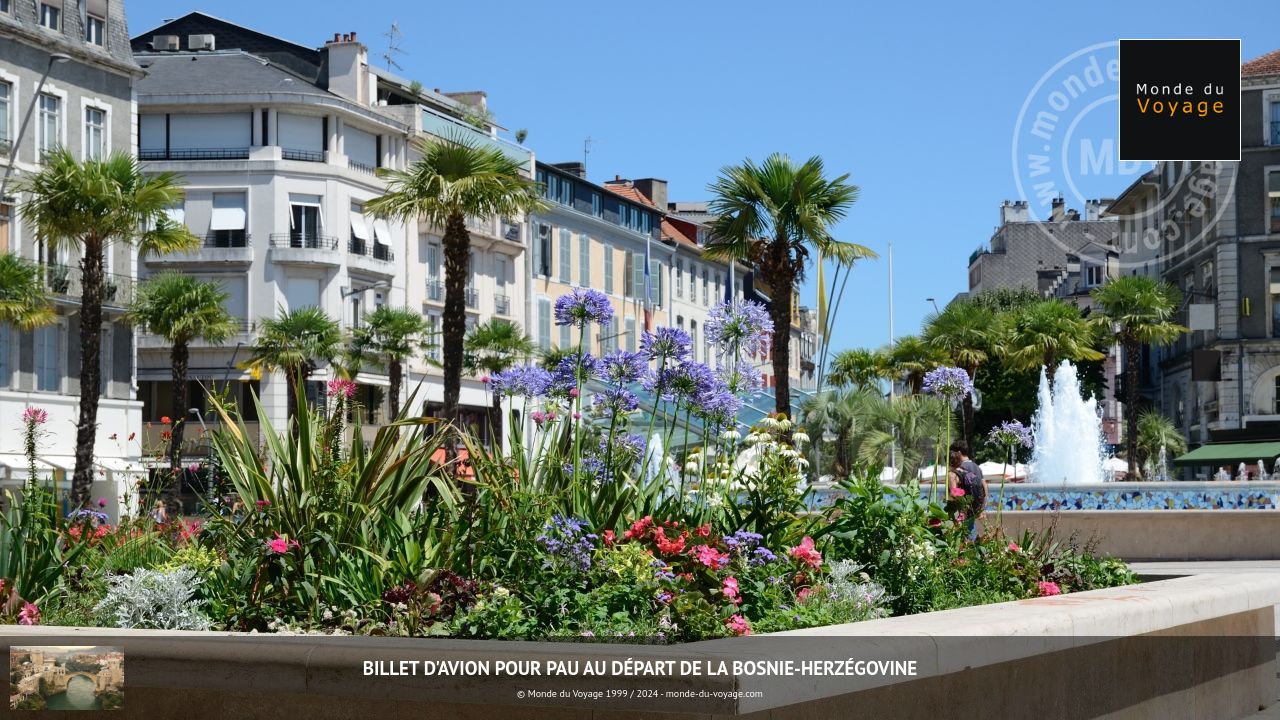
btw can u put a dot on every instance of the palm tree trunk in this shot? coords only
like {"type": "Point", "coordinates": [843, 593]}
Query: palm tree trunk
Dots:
{"type": "Point", "coordinates": [90, 369]}
{"type": "Point", "coordinates": [394, 372]}
{"type": "Point", "coordinates": [291, 394]}
{"type": "Point", "coordinates": [1050, 367]}
{"type": "Point", "coordinates": [495, 424]}
{"type": "Point", "coordinates": [780, 310]}
{"type": "Point", "coordinates": [179, 357]}
{"type": "Point", "coordinates": [457, 249]}
{"type": "Point", "coordinates": [1131, 407]}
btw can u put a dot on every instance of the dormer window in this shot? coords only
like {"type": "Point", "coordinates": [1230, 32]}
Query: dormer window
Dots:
{"type": "Point", "coordinates": [95, 22]}
{"type": "Point", "coordinates": [1094, 275]}
{"type": "Point", "coordinates": [51, 14]}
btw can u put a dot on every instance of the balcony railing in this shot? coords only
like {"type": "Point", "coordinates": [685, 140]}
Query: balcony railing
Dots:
{"type": "Point", "coordinates": [360, 167]}
{"type": "Point", "coordinates": [473, 298]}
{"type": "Point", "coordinates": [226, 239]}
{"type": "Point", "coordinates": [65, 282]}
{"type": "Point", "coordinates": [1275, 132]}
{"type": "Point", "coordinates": [435, 291]}
{"type": "Point", "coordinates": [501, 305]}
{"type": "Point", "coordinates": [375, 250]}
{"type": "Point", "coordinates": [241, 153]}
{"type": "Point", "coordinates": [304, 155]}
{"type": "Point", "coordinates": [309, 241]}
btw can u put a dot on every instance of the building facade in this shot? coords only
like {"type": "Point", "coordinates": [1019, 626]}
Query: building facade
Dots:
{"type": "Point", "coordinates": [66, 81]}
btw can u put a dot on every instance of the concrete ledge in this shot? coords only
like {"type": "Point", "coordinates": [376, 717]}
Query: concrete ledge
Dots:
{"type": "Point", "coordinates": [1204, 642]}
{"type": "Point", "coordinates": [1158, 534]}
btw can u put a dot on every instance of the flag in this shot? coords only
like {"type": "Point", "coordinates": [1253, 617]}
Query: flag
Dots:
{"type": "Point", "coordinates": [822, 301]}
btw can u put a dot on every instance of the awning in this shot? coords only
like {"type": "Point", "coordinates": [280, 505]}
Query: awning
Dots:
{"type": "Point", "coordinates": [228, 212]}
{"type": "Point", "coordinates": [358, 228]}
{"type": "Point", "coordinates": [119, 465]}
{"type": "Point", "coordinates": [62, 462]}
{"type": "Point", "coordinates": [19, 462]}
{"type": "Point", "coordinates": [177, 214]}
{"type": "Point", "coordinates": [382, 231]}
{"type": "Point", "coordinates": [1230, 453]}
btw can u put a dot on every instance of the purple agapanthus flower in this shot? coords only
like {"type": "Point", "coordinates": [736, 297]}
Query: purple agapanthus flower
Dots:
{"type": "Point", "coordinates": [615, 400]}
{"type": "Point", "coordinates": [685, 381]}
{"type": "Point", "coordinates": [951, 383]}
{"type": "Point", "coordinates": [742, 326]}
{"type": "Point", "coordinates": [744, 379]}
{"type": "Point", "coordinates": [629, 446]}
{"type": "Point", "coordinates": [667, 345]}
{"type": "Point", "coordinates": [583, 306]}
{"type": "Point", "coordinates": [1010, 433]}
{"type": "Point", "coordinates": [622, 367]}
{"type": "Point", "coordinates": [717, 407]}
{"type": "Point", "coordinates": [529, 381]}
{"type": "Point", "coordinates": [573, 372]}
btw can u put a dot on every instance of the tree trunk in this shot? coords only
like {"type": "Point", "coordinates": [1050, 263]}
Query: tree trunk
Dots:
{"type": "Point", "coordinates": [291, 395]}
{"type": "Point", "coordinates": [394, 371]}
{"type": "Point", "coordinates": [495, 424]}
{"type": "Point", "coordinates": [90, 369]}
{"type": "Point", "coordinates": [179, 358]}
{"type": "Point", "coordinates": [457, 250]}
{"type": "Point", "coordinates": [1131, 407]}
{"type": "Point", "coordinates": [780, 283]}
{"type": "Point", "coordinates": [1050, 367]}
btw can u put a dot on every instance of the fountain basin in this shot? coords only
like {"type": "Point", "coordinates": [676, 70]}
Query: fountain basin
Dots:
{"type": "Point", "coordinates": [1110, 496]}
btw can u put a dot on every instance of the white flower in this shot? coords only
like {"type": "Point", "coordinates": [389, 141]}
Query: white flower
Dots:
{"type": "Point", "coordinates": [730, 435]}
{"type": "Point", "coordinates": [800, 438]}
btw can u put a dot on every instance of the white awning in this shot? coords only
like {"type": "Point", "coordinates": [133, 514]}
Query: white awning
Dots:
{"type": "Point", "coordinates": [19, 462]}
{"type": "Point", "coordinates": [228, 212]}
{"type": "Point", "coordinates": [358, 227]}
{"type": "Point", "coordinates": [371, 379]}
{"type": "Point", "coordinates": [119, 465]}
{"type": "Point", "coordinates": [382, 231]}
{"type": "Point", "coordinates": [177, 214]}
{"type": "Point", "coordinates": [62, 462]}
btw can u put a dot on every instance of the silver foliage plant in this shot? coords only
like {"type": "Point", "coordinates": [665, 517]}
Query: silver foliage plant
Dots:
{"type": "Point", "coordinates": [848, 584]}
{"type": "Point", "coordinates": [151, 599]}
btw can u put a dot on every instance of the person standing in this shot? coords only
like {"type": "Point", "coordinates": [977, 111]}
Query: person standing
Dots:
{"type": "Point", "coordinates": [966, 477]}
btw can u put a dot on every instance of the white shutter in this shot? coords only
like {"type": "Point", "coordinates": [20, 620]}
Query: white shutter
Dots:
{"type": "Point", "coordinates": [358, 227]}
{"type": "Point", "coordinates": [382, 231]}
{"type": "Point", "coordinates": [302, 292]}
{"type": "Point", "coordinates": [361, 146]}
{"type": "Point", "coordinates": [300, 132]}
{"type": "Point", "coordinates": [177, 214]}
{"type": "Point", "coordinates": [228, 212]}
{"type": "Point", "coordinates": [544, 323]}
{"type": "Point", "coordinates": [152, 130]}
{"type": "Point", "coordinates": [211, 130]}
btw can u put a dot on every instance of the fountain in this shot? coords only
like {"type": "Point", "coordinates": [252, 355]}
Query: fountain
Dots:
{"type": "Point", "coordinates": [1240, 473]}
{"type": "Point", "coordinates": [1068, 433]}
{"type": "Point", "coordinates": [1262, 471]}
{"type": "Point", "coordinates": [1162, 470]}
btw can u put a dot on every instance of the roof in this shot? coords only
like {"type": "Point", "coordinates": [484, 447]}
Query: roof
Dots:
{"type": "Point", "coordinates": [220, 72]}
{"type": "Point", "coordinates": [1229, 453]}
{"type": "Point", "coordinates": [670, 230]}
{"type": "Point", "coordinates": [629, 192]}
{"type": "Point", "coordinates": [1268, 64]}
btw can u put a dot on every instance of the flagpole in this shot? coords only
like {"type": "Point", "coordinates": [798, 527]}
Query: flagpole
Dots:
{"type": "Point", "coordinates": [893, 445]}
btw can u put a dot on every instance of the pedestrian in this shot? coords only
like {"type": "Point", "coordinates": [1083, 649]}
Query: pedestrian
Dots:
{"type": "Point", "coordinates": [159, 515]}
{"type": "Point", "coordinates": [966, 477]}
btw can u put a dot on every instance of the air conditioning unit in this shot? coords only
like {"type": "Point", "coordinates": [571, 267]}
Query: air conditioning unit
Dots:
{"type": "Point", "coordinates": [200, 42]}
{"type": "Point", "coordinates": [165, 42]}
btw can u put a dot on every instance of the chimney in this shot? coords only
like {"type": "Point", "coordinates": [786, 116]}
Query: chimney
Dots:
{"type": "Point", "coordinates": [577, 168]}
{"type": "Point", "coordinates": [1012, 212]}
{"type": "Point", "coordinates": [654, 189]}
{"type": "Point", "coordinates": [348, 66]}
{"type": "Point", "coordinates": [1059, 210]}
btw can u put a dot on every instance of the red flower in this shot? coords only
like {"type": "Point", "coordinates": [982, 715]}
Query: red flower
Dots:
{"type": "Point", "coordinates": [608, 538]}
{"type": "Point", "coordinates": [279, 545]}
{"type": "Point", "coordinates": [738, 625]}
{"type": "Point", "coordinates": [1047, 588]}
{"type": "Point", "coordinates": [673, 546]}
{"type": "Point", "coordinates": [731, 591]}
{"type": "Point", "coordinates": [1013, 547]}
{"type": "Point", "coordinates": [639, 528]}
{"type": "Point", "coordinates": [710, 557]}
{"type": "Point", "coordinates": [934, 522]}
{"type": "Point", "coordinates": [165, 420]}
{"type": "Point", "coordinates": [957, 492]}
{"type": "Point", "coordinates": [805, 553]}
{"type": "Point", "coordinates": [132, 435]}
{"type": "Point", "coordinates": [704, 531]}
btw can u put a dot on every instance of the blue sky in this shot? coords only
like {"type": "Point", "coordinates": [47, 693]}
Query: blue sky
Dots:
{"type": "Point", "coordinates": [916, 101]}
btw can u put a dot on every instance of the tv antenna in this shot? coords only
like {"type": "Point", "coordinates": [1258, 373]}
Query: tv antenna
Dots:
{"type": "Point", "coordinates": [586, 148]}
{"type": "Point", "coordinates": [393, 37]}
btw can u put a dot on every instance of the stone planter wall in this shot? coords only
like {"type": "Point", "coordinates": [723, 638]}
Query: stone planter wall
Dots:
{"type": "Point", "coordinates": [1158, 534]}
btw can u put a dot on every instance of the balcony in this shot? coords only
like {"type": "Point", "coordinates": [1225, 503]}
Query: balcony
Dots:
{"type": "Point", "coordinates": [220, 246]}
{"type": "Point", "coordinates": [240, 153]}
{"type": "Point", "coordinates": [63, 282]}
{"type": "Point", "coordinates": [303, 155]}
{"type": "Point", "coordinates": [243, 332]}
{"type": "Point", "coordinates": [502, 305]}
{"type": "Point", "coordinates": [370, 257]}
{"type": "Point", "coordinates": [298, 248]}
{"type": "Point", "coordinates": [361, 167]}
{"type": "Point", "coordinates": [435, 291]}
{"type": "Point", "coordinates": [473, 298]}
{"type": "Point", "coordinates": [1275, 132]}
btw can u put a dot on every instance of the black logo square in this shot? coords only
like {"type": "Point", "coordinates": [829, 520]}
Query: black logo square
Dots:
{"type": "Point", "coordinates": [1179, 100]}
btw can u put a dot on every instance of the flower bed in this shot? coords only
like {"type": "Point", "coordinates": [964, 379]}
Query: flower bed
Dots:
{"type": "Point", "coordinates": [592, 527]}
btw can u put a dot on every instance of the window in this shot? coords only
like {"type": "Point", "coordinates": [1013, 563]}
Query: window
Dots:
{"type": "Point", "coordinates": [6, 372]}
{"type": "Point", "coordinates": [679, 278]}
{"type": "Point", "coordinates": [634, 286]}
{"type": "Point", "coordinates": [584, 261]}
{"type": "Point", "coordinates": [566, 245]}
{"type": "Point", "coordinates": [719, 289]}
{"type": "Point", "coordinates": [4, 6]}
{"type": "Point", "coordinates": [705, 294]}
{"type": "Point", "coordinates": [6, 98]}
{"type": "Point", "coordinates": [1206, 276]}
{"type": "Point", "coordinates": [693, 337]}
{"type": "Point", "coordinates": [305, 221]}
{"type": "Point", "coordinates": [1275, 302]}
{"type": "Point", "coordinates": [95, 133]}
{"type": "Point", "coordinates": [51, 15]}
{"type": "Point", "coordinates": [356, 315]}
{"type": "Point", "coordinates": [558, 189]}
{"type": "Point", "coordinates": [104, 363]}
{"type": "Point", "coordinates": [6, 213]}
{"type": "Point", "coordinates": [1093, 275]}
{"type": "Point", "coordinates": [433, 336]}
{"type": "Point", "coordinates": [1273, 198]}
{"type": "Point", "coordinates": [228, 222]}
{"type": "Point", "coordinates": [1275, 122]}
{"type": "Point", "coordinates": [542, 252]}
{"type": "Point", "coordinates": [631, 334]}
{"type": "Point", "coordinates": [50, 125]}
{"type": "Point", "coordinates": [544, 324]}
{"type": "Point", "coordinates": [500, 273]}
{"type": "Point", "coordinates": [95, 25]}
{"type": "Point", "coordinates": [1276, 409]}
{"type": "Point", "coordinates": [597, 208]}
{"type": "Point", "coordinates": [608, 269]}
{"type": "Point", "coordinates": [48, 369]}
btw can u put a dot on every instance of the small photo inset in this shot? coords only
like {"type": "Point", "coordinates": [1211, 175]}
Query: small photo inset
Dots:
{"type": "Point", "coordinates": [66, 677]}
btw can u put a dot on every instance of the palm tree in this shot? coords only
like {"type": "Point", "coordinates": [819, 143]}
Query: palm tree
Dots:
{"type": "Point", "coordinates": [770, 215]}
{"type": "Point", "coordinates": [491, 348]}
{"type": "Point", "coordinates": [22, 297]}
{"type": "Point", "coordinates": [181, 308]}
{"type": "Point", "coordinates": [911, 357]}
{"type": "Point", "coordinates": [452, 180]}
{"type": "Point", "coordinates": [1045, 334]}
{"type": "Point", "coordinates": [1156, 431]}
{"type": "Point", "coordinates": [908, 427]}
{"type": "Point", "coordinates": [394, 334]}
{"type": "Point", "coordinates": [839, 419]}
{"type": "Point", "coordinates": [295, 342]}
{"type": "Point", "coordinates": [89, 207]}
{"type": "Point", "coordinates": [964, 332]}
{"type": "Point", "coordinates": [858, 368]}
{"type": "Point", "coordinates": [1138, 311]}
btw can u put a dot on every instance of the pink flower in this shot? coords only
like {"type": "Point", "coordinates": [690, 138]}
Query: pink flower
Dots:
{"type": "Point", "coordinates": [193, 468]}
{"type": "Point", "coordinates": [341, 387]}
{"type": "Point", "coordinates": [960, 517]}
{"type": "Point", "coordinates": [957, 492]}
{"type": "Point", "coordinates": [538, 416]}
{"type": "Point", "coordinates": [805, 553]}
{"type": "Point", "coordinates": [29, 615]}
{"type": "Point", "coordinates": [573, 392]}
{"type": "Point", "coordinates": [1013, 547]}
{"type": "Point", "coordinates": [485, 379]}
{"type": "Point", "coordinates": [731, 590]}
{"type": "Point", "coordinates": [738, 625]}
{"type": "Point", "coordinates": [35, 416]}
{"type": "Point", "coordinates": [710, 557]}
{"type": "Point", "coordinates": [577, 416]}
{"type": "Point", "coordinates": [1048, 588]}
{"type": "Point", "coordinates": [262, 503]}
{"type": "Point", "coordinates": [102, 502]}
{"type": "Point", "coordinates": [279, 546]}
{"type": "Point", "coordinates": [804, 594]}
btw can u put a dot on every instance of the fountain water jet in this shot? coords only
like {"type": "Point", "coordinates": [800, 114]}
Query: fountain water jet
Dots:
{"type": "Point", "coordinates": [1068, 433]}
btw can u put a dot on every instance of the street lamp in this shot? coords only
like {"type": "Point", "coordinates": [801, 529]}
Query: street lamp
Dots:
{"type": "Point", "coordinates": [380, 285]}
{"type": "Point", "coordinates": [935, 305]}
{"type": "Point", "coordinates": [54, 58]}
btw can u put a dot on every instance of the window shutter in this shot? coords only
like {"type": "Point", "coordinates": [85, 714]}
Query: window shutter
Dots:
{"type": "Point", "coordinates": [631, 334]}
{"type": "Point", "coordinates": [608, 269]}
{"type": "Point", "coordinates": [655, 288]}
{"type": "Point", "coordinates": [627, 276]}
{"type": "Point", "coordinates": [566, 338]}
{"type": "Point", "coordinates": [584, 260]}
{"type": "Point", "coordinates": [544, 323]}
{"type": "Point", "coordinates": [566, 245]}
{"type": "Point", "coordinates": [586, 338]}
{"type": "Point", "coordinates": [637, 281]}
